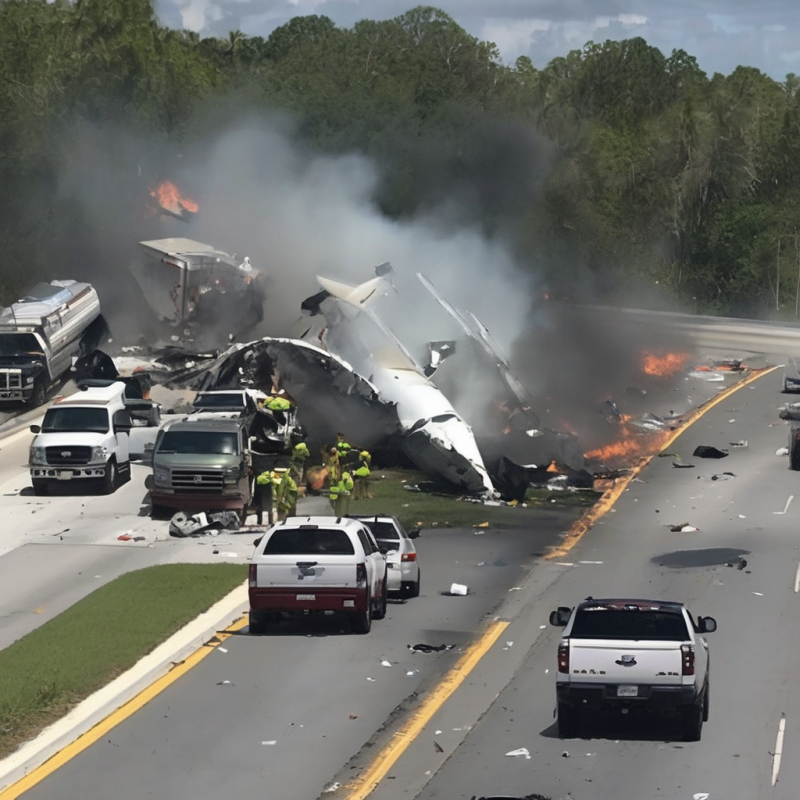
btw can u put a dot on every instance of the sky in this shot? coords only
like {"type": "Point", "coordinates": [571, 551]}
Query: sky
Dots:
{"type": "Point", "coordinates": [721, 34]}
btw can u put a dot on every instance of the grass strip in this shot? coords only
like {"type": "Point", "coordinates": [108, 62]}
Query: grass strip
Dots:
{"type": "Point", "coordinates": [442, 510]}
{"type": "Point", "coordinates": [50, 670]}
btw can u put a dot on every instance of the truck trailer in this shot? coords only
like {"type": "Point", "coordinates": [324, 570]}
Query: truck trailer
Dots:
{"type": "Point", "coordinates": [191, 284]}
{"type": "Point", "coordinates": [41, 333]}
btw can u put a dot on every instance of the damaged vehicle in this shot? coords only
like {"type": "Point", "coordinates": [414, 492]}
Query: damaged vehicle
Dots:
{"type": "Point", "coordinates": [194, 286]}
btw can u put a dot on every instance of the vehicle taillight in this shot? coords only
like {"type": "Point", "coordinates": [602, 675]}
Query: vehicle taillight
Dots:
{"type": "Point", "coordinates": [361, 576]}
{"type": "Point", "coordinates": [408, 557]}
{"type": "Point", "coordinates": [563, 657]}
{"type": "Point", "coordinates": [687, 659]}
{"type": "Point", "coordinates": [252, 575]}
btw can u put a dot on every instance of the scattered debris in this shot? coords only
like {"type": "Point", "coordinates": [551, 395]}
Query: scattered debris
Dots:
{"type": "Point", "coordinates": [701, 796]}
{"type": "Point", "coordinates": [124, 537]}
{"type": "Point", "coordinates": [681, 465]}
{"type": "Point", "coordinates": [224, 683]}
{"type": "Point", "coordinates": [565, 754]}
{"type": "Point", "coordinates": [706, 451]}
{"type": "Point", "coordinates": [519, 752]}
{"type": "Point", "coordinates": [723, 476]}
{"type": "Point", "coordinates": [429, 648]}
{"type": "Point", "coordinates": [183, 524]}
{"type": "Point", "coordinates": [759, 594]}
{"type": "Point", "coordinates": [782, 451]}
{"type": "Point", "coordinates": [741, 443]}
{"type": "Point", "coordinates": [386, 663]}
{"type": "Point", "coordinates": [437, 747]}
{"type": "Point", "coordinates": [682, 527]}
{"type": "Point", "coordinates": [458, 589]}
{"type": "Point", "coordinates": [352, 716]}
{"type": "Point", "coordinates": [270, 742]}
{"type": "Point", "coordinates": [332, 787]}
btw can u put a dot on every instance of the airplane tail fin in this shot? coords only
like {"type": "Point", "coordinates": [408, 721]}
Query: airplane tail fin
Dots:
{"type": "Point", "coordinates": [362, 295]}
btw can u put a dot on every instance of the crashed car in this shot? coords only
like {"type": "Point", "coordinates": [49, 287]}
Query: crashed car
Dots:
{"type": "Point", "coordinates": [791, 377]}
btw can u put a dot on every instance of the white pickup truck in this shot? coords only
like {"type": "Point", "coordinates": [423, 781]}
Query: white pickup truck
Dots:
{"type": "Point", "coordinates": [632, 653]}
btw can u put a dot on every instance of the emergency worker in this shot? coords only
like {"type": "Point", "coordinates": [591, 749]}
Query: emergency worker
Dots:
{"type": "Point", "coordinates": [286, 498]}
{"type": "Point", "coordinates": [297, 464]}
{"type": "Point", "coordinates": [277, 402]}
{"type": "Point", "coordinates": [264, 496]}
{"type": "Point", "coordinates": [362, 489]}
{"type": "Point", "coordinates": [333, 466]}
{"type": "Point", "coordinates": [340, 495]}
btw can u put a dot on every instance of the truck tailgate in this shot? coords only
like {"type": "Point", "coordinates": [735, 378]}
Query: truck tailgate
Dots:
{"type": "Point", "coordinates": [297, 571]}
{"type": "Point", "coordinates": [622, 661]}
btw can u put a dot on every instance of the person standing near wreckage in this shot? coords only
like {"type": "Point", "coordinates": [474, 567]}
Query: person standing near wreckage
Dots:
{"type": "Point", "coordinates": [361, 487]}
{"type": "Point", "coordinates": [297, 464]}
{"type": "Point", "coordinates": [263, 498]}
{"type": "Point", "coordinates": [286, 499]}
{"type": "Point", "coordinates": [333, 466]}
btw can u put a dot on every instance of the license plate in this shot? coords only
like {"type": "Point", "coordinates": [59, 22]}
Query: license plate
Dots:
{"type": "Point", "coordinates": [65, 475]}
{"type": "Point", "coordinates": [306, 597]}
{"type": "Point", "coordinates": [627, 691]}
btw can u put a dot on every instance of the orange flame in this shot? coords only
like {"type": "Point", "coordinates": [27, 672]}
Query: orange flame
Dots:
{"type": "Point", "coordinates": [663, 366]}
{"type": "Point", "coordinates": [168, 197]}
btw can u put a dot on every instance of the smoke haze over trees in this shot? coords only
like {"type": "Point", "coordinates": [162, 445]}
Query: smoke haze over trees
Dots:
{"type": "Point", "coordinates": [615, 173]}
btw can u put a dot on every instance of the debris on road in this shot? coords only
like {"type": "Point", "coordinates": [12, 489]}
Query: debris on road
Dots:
{"type": "Point", "coordinates": [782, 451]}
{"type": "Point", "coordinates": [741, 443]}
{"type": "Point", "coordinates": [437, 747]}
{"type": "Point", "coordinates": [706, 451]}
{"type": "Point", "coordinates": [519, 752]}
{"type": "Point", "coordinates": [723, 476]}
{"type": "Point", "coordinates": [682, 527]}
{"type": "Point", "coordinates": [183, 524]}
{"type": "Point", "coordinates": [386, 663]}
{"type": "Point", "coordinates": [429, 648]}
{"type": "Point", "coordinates": [681, 465]}
{"type": "Point", "coordinates": [458, 589]}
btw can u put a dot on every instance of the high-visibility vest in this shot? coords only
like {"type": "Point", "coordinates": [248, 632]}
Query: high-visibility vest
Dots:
{"type": "Point", "coordinates": [287, 492]}
{"type": "Point", "coordinates": [265, 478]}
{"type": "Point", "coordinates": [278, 404]}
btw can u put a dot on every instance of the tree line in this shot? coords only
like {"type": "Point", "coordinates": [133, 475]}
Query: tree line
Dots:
{"type": "Point", "coordinates": [612, 169]}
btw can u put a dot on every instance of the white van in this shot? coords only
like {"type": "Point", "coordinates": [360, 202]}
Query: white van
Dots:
{"type": "Point", "coordinates": [83, 437]}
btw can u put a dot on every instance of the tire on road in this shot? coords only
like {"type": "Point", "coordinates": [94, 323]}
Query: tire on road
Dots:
{"type": "Point", "coordinates": [380, 610]}
{"type": "Point", "coordinates": [361, 621]}
{"type": "Point", "coordinates": [567, 719]}
{"type": "Point", "coordinates": [258, 622]}
{"type": "Point", "coordinates": [692, 719]}
{"type": "Point", "coordinates": [706, 701]}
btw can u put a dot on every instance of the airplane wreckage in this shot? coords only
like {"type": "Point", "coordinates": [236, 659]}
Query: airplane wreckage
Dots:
{"type": "Point", "coordinates": [350, 372]}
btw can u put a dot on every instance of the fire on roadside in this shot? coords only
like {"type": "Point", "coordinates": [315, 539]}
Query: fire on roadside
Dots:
{"type": "Point", "coordinates": [665, 365]}
{"type": "Point", "coordinates": [169, 199]}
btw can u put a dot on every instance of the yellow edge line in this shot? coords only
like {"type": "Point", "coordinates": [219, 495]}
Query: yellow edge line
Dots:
{"type": "Point", "coordinates": [604, 504]}
{"type": "Point", "coordinates": [119, 715]}
{"type": "Point", "coordinates": [365, 784]}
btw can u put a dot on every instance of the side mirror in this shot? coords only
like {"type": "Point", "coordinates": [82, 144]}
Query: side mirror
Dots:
{"type": "Point", "coordinates": [414, 533]}
{"type": "Point", "coordinates": [706, 624]}
{"type": "Point", "coordinates": [257, 542]}
{"type": "Point", "coordinates": [36, 428]}
{"type": "Point", "coordinates": [122, 421]}
{"type": "Point", "coordinates": [560, 617]}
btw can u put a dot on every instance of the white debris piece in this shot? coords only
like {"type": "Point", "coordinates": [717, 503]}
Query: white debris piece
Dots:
{"type": "Point", "coordinates": [782, 451]}
{"type": "Point", "coordinates": [270, 742]}
{"type": "Point", "coordinates": [386, 663]}
{"type": "Point", "coordinates": [458, 588]}
{"type": "Point", "coordinates": [520, 752]}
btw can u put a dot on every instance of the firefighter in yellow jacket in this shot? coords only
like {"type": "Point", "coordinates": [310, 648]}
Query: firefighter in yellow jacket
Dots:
{"type": "Point", "coordinates": [362, 489]}
{"type": "Point", "coordinates": [339, 495]}
{"type": "Point", "coordinates": [286, 496]}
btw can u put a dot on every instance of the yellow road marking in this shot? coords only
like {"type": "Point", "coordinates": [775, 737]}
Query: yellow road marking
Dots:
{"type": "Point", "coordinates": [365, 784]}
{"type": "Point", "coordinates": [118, 716]}
{"type": "Point", "coordinates": [604, 504]}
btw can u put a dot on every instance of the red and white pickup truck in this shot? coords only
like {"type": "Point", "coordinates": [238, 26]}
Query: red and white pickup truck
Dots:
{"type": "Point", "coordinates": [626, 653]}
{"type": "Point", "coordinates": [306, 564]}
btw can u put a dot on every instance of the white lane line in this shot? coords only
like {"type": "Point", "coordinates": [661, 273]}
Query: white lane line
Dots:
{"type": "Point", "coordinates": [797, 580]}
{"type": "Point", "coordinates": [776, 757]}
{"type": "Point", "coordinates": [786, 507]}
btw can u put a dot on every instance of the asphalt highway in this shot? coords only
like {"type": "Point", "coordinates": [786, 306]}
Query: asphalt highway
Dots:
{"type": "Point", "coordinates": [632, 552]}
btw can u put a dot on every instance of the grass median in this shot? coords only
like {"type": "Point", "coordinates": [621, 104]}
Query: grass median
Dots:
{"type": "Point", "coordinates": [50, 670]}
{"type": "Point", "coordinates": [425, 509]}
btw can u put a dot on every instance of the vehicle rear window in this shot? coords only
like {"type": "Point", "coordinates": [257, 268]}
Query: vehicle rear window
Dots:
{"type": "Point", "coordinates": [232, 400]}
{"type": "Point", "coordinates": [382, 530]}
{"type": "Point", "coordinates": [309, 542]}
{"type": "Point", "coordinates": [615, 623]}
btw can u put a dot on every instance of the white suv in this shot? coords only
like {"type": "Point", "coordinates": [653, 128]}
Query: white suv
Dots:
{"type": "Point", "coordinates": [317, 564]}
{"type": "Point", "coordinates": [398, 547]}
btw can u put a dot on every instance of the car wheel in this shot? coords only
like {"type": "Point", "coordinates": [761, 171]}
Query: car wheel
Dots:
{"type": "Point", "coordinates": [567, 718]}
{"type": "Point", "coordinates": [40, 487]}
{"type": "Point", "coordinates": [794, 456]}
{"type": "Point", "coordinates": [414, 588]}
{"type": "Point", "coordinates": [158, 511]}
{"type": "Point", "coordinates": [692, 717]}
{"type": "Point", "coordinates": [706, 701]}
{"type": "Point", "coordinates": [39, 394]}
{"type": "Point", "coordinates": [258, 622]}
{"type": "Point", "coordinates": [110, 478]}
{"type": "Point", "coordinates": [361, 621]}
{"type": "Point", "coordinates": [380, 611]}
